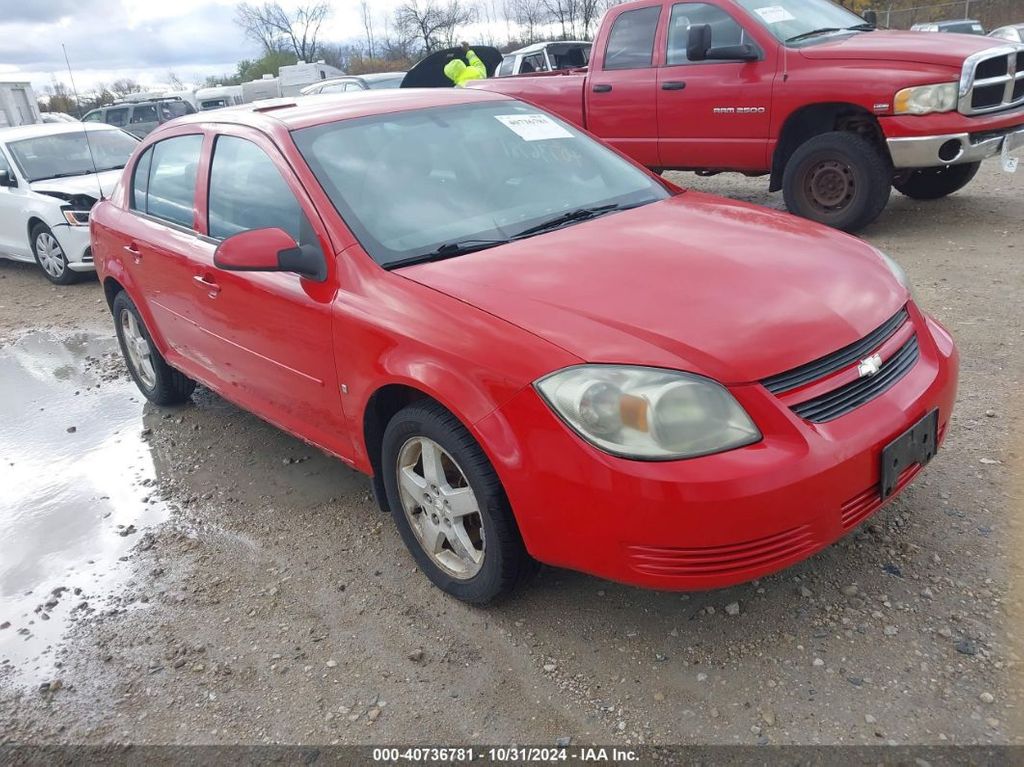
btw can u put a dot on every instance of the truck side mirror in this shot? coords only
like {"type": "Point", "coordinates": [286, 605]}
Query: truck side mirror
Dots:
{"type": "Point", "coordinates": [733, 53]}
{"type": "Point", "coordinates": [871, 17]}
{"type": "Point", "coordinates": [698, 43]}
{"type": "Point", "coordinates": [6, 179]}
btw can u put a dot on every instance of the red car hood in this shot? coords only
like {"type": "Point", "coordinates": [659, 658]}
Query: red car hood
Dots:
{"type": "Point", "coordinates": [920, 47]}
{"type": "Point", "coordinates": [729, 290]}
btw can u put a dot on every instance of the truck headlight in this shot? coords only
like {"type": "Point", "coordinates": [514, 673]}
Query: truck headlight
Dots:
{"type": "Point", "coordinates": [648, 413]}
{"type": "Point", "coordinates": [924, 99]}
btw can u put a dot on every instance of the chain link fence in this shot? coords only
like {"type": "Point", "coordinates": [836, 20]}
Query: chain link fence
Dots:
{"type": "Point", "coordinates": [991, 13]}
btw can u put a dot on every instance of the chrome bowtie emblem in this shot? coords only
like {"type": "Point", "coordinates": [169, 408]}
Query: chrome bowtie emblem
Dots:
{"type": "Point", "coordinates": [870, 366]}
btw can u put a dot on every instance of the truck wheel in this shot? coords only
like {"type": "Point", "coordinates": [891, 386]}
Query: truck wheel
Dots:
{"type": "Point", "coordinates": [839, 179]}
{"type": "Point", "coordinates": [449, 505]}
{"type": "Point", "coordinates": [933, 183]}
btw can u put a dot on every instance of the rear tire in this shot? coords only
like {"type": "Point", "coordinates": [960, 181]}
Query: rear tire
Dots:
{"type": "Point", "coordinates": [158, 381]}
{"type": "Point", "coordinates": [934, 183]}
{"type": "Point", "coordinates": [50, 256]}
{"type": "Point", "coordinates": [839, 179]}
{"type": "Point", "coordinates": [477, 557]}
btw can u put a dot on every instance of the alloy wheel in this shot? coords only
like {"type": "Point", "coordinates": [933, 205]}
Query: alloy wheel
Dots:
{"type": "Point", "coordinates": [441, 507]}
{"type": "Point", "coordinates": [137, 349]}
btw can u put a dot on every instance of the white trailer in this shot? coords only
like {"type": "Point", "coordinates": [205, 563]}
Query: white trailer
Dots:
{"type": "Point", "coordinates": [295, 77]}
{"type": "Point", "coordinates": [18, 105]}
{"type": "Point", "coordinates": [218, 97]}
{"type": "Point", "coordinates": [269, 87]}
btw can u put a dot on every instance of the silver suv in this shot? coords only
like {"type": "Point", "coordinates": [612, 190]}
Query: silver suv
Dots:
{"type": "Point", "coordinates": [140, 117]}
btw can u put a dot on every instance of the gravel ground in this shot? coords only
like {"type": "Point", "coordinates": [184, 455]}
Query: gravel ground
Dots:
{"type": "Point", "coordinates": [258, 596]}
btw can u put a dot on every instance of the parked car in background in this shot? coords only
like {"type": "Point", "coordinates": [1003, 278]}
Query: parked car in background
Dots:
{"type": "Point", "coordinates": [218, 97]}
{"type": "Point", "coordinates": [294, 77]}
{"type": "Point", "coordinates": [139, 118]}
{"type": "Point", "coordinates": [957, 26]}
{"type": "Point", "coordinates": [545, 57]}
{"type": "Point", "coordinates": [48, 185]}
{"type": "Point", "coordinates": [56, 117]}
{"type": "Point", "coordinates": [536, 347]}
{"type": "Point", "coordinates": [835, 112]}
{"type": "Point", "coordinates": [1013, 32]}
{"type": "Point", "coordinates": [356, 83]}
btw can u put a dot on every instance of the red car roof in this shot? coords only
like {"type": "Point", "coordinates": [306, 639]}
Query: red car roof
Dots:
{"type": "Point", "coordinates": [305, 111]}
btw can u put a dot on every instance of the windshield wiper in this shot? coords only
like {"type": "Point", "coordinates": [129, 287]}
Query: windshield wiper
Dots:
{"type": "Point", "coordinates": [865, 27]}
{"type": "Point", "coordinates": [112, 167]}
{"type": "Point", "coordinates": [447, 250]}
{"type": "Point", "coordinates": [67, 175]}
{"type": "Point", "coordinates": [570, 217]}
{"type": "Point", "coordinates": [813, 33]}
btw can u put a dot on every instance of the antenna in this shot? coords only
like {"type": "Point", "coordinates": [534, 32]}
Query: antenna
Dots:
{"type": "Point", "coordinates": [85, 128]}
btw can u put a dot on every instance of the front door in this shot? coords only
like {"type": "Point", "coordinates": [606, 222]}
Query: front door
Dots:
{"type": "Point", "coordinates": [620, 95]}
{"type": "Point", "coordinates": [272, 331]}
{"type": "Point", "coordinates": [713, 114]}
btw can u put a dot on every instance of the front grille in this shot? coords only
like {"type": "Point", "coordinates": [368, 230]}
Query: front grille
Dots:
{"type": "Point", "coordinates": [830, 363]}
{"type": "Point", "coordinates": [716, 561]}
{"type": "Point", "coordinates": [841, 401]}
{"type": "Point", "coordinates": [992, 80]}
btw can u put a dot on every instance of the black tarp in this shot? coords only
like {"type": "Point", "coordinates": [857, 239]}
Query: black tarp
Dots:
{"type": "Point", "coordinates": [429, 73]}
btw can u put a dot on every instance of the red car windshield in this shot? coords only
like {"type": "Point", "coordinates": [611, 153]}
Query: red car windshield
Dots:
{"type": "Point", "coordinates": [409, 182]}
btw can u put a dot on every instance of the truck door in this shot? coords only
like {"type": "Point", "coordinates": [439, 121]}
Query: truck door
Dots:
{"type": "Point", "coordinates": [713, 114]}
{"type": "Point", "coordinates": [620, 97]}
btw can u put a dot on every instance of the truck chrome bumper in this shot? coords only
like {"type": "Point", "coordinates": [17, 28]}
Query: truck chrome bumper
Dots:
{"type": "Point", "coordinates": [952, 149]}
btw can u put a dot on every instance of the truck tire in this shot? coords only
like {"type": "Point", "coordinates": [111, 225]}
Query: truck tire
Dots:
{"type": "Point", "coordinates": [933, 183]}
{"type": "Point", "coordinates": [838, 179]}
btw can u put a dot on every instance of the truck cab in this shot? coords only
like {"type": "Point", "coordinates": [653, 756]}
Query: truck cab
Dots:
{"type": "Point", "coordinates": [833, 110]}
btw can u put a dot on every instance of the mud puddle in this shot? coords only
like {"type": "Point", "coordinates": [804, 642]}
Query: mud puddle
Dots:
{"type": "Point", "coordinates": [77, 490]}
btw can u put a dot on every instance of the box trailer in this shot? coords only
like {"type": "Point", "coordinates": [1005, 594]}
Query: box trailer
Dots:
{"type": "Point", "coordinates": [295, 77]}
{"type": "Point", "coordinates": [18, 105]}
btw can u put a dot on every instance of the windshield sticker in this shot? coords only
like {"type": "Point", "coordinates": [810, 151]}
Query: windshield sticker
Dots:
{"type": "Point", "coordinates": [533, 127]}
{"type": "Point", "coordinates": [774, 14]}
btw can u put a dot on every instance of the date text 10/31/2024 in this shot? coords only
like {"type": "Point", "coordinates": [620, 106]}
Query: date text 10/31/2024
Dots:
{"type": "Point", "coordinates": [456, 755]}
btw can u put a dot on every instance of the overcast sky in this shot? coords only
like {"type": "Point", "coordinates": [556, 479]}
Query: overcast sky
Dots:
{"type": "Point", "coordinates": [141, 39]}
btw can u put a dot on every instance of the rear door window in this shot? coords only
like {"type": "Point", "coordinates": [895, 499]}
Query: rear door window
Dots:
{"type": "Point", "coordinates": [118, 117]}
{"type": "Point", "coordinates": [144, 113]}
{"type": "Point", "coordinates": [631, 42]}
{"type": "Point", "coordinates": [238, 168]}
{"type": "Point", "coordinates": [164, 184]}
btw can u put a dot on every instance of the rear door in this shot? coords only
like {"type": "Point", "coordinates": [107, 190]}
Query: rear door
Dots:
{"type": "Point", "coordinates": [713, 114]}
{"type": "Point", "coordinates": [621, 91]}
{"type": "Point", "coordinates": [144, 119]}
{"type": "Point", "coordinates": [271, 332]}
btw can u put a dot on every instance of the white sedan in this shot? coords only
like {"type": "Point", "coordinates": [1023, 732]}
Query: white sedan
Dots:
{"type": "Point", "coordinates": [50, 177]}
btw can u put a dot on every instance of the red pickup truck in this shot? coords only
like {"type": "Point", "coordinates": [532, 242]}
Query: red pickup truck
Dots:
{"type": "Point", "coordinates": [835, 111]}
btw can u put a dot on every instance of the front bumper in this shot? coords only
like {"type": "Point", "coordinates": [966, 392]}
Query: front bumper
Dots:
{"type": "Point", "coordinates": [77, 246]}
{"type": "Point", "coordinates": [953, 148]}
{"type": "Point", "coordinates": [717, 520]}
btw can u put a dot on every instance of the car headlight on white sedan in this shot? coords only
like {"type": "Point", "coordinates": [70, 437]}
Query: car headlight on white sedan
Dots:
{"type": "Point", "coordinates": [924, 99]}
{"type": "Point", "coordinates": [76, 217]}
{"type": "Point", "coordinates": [648, 413]}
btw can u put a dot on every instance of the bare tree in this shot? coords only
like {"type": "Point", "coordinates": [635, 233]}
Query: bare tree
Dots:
{"type": "Point", "coordinates": [124, 87]}
{"type": "Point", "coordinates": [175, 82]}
{"type": "Point", "coordinates": [364, 9]}
{"type": "Point", "coordinates": [275, 29]}
{"type": "Point", "coordinates": [566, 13]}
{"type": "Point", "coordinates": [434, 26]}
{"type": "Point", "coordinates": [529, 16]}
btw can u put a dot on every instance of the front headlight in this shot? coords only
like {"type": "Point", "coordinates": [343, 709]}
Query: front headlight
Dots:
{"type": "Point", "coordinates": [896, 269]}
{"type": "Point", "coordinates": [648, 413]}
{"type": "Point", "coordinates": [926, 98]}
{"type": "Point", "coordinates": [76, 217]}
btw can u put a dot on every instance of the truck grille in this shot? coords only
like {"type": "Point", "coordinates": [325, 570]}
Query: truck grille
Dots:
{"type": "Point", "coordinates": [992, 80]}
{"type": "Point", "coordinates": [841, 401]}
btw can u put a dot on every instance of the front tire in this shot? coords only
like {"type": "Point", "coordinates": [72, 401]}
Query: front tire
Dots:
{"type": "Point", "coordinates": [158, 381]}
{"type": "Point", "coordinates": [450, 507]}
{"type": "Point", "coordinates": [933, 183]}
{"type": "Point", "coordinates": [839, 179]}
{"type": "Point", "coordinates": [50, 256]}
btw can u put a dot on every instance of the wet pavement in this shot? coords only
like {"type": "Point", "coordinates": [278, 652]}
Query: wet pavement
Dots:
{"type": "Point", "coordinates": [76, 492]}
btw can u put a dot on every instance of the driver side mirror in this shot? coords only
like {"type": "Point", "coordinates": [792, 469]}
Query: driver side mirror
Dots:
{"type": "Point", "coordinates": [6, 179]}
{"type": "Point", "coordinates": [270, 250]}
{"type": "Point", "coordinates": [871, 17]}
{"type": "Point", "coordinates": [698, 47]}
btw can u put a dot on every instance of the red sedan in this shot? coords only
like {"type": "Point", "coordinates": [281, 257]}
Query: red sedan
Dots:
{"type": "Point", "coordinates": [536, 348]}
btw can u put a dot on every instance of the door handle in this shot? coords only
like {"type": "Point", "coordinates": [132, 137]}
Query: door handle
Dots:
{"type": "Point", "coordinates": [133, 250]}
{"type": "Point", "coordinates": [211, 287]}
{"type": "Point", "coordinates": [602, 88]}
{"type": "Point", "coordinates": [673, 85]}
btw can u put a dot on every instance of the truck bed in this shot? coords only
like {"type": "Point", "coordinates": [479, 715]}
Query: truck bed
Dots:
{"type": "Point", "coordinates": [559, 92]}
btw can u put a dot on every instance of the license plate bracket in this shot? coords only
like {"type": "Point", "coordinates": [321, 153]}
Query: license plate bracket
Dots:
{"type": "Point", "coordinates": [917, 445]}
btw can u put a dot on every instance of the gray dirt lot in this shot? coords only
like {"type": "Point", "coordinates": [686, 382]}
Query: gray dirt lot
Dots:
{"type": "Point", "coordinates": [263, 597]}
